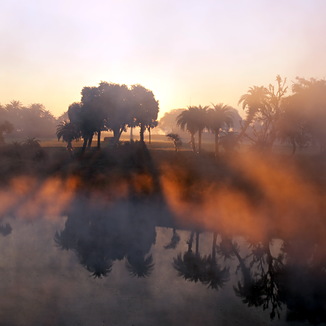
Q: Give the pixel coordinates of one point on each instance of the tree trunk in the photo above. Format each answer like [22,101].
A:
[214,246]
[149,136]
[131,135]
[216,142]
[116,135]
[199,141]
[191,239]
[84,145]
[197,243]
[99,139]
[90,139]
[193,145]
[141,133]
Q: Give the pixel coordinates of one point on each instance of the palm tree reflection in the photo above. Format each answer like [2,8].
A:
[102,234]
[193,267]
[215,277]
[139,265]
[294,278]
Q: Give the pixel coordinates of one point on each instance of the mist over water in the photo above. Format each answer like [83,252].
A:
[170,237]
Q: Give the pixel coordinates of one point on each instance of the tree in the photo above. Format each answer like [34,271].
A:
[186,120]
[5,128]
[202,122]
[68,132]
[219,118]
[252,102]
[176,140]
[93,112]
[168,123]
[31,121]
[118,107]
[292,126]
[263,110]
[146,108]
[194,119]
[308,105]
[79,117]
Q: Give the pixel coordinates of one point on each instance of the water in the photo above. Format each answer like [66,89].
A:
[89,277]
[119,238]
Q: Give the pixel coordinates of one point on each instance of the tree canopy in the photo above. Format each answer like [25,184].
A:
[113,107]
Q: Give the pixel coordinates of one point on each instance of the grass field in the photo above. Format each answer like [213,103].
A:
[162,143]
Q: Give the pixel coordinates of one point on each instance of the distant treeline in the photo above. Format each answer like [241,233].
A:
[21,122]
[271,117]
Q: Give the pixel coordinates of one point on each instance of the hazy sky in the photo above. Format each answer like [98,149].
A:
[187,52]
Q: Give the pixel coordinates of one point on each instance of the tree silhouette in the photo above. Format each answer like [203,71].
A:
[263,111]
[219,118]
[186,120]
[79,117]
[176,140]
[93,112]
[68,132]
[309,100]
[25,118]
[146,108]
[113,107]
[117,103]
[292,127]
[255,100]
[202,122]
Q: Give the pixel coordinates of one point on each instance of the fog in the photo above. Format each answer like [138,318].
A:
[227,228]
[137,236]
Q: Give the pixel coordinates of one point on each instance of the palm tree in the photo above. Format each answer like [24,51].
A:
[68,132]
[176,140]
[219,117]
[202,122]
[194,119]
[255,100]
[186,120]
[79,117]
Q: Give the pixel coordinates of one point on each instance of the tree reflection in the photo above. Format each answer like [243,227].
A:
[190,265]
[214,276]
[272,277]
[105,233]
[175,239]
[293,278]
[259,286]
[193,267]
[140,266]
